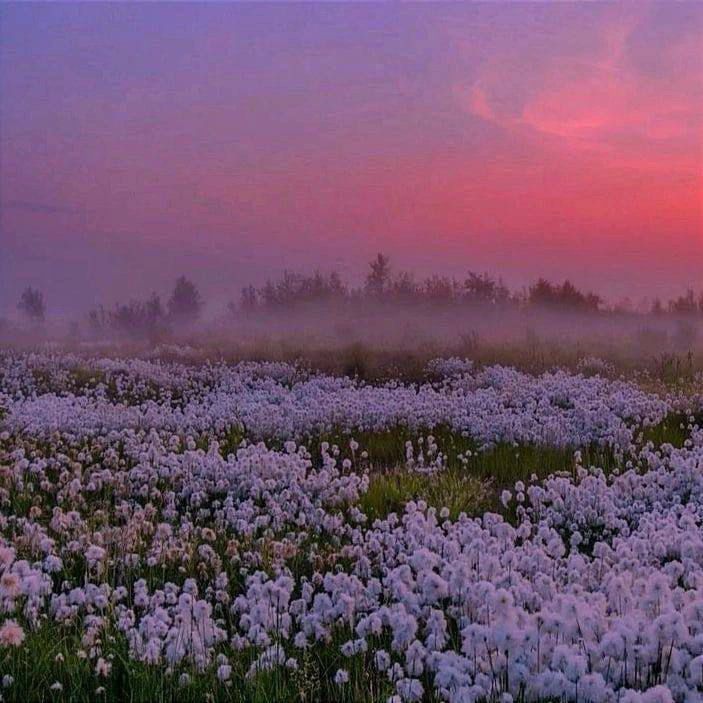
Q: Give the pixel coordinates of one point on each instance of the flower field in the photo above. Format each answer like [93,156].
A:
[180,531]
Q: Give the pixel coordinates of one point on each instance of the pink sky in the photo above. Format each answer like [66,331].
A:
[232,141]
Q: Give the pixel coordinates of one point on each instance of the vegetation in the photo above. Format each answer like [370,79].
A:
[122,486]
[31,305]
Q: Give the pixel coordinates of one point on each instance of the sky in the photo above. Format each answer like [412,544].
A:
[233,141]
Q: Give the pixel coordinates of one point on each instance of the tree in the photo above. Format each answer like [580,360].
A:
[440,289]
[403,287]
[295,288]
[137,319]
[31,305]
[98,321]
[249,299]
[481,288]
[379,276]
[565,296]
[543,293]
[685,304]
[154,312]
[185,303]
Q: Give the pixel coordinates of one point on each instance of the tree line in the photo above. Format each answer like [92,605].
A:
[382,284]
[137,318]
[143,318]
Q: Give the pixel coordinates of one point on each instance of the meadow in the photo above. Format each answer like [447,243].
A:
[176,526]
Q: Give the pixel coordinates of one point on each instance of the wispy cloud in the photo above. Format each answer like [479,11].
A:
[602,101]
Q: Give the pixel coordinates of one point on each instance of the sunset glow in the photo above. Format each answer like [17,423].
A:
[520,139]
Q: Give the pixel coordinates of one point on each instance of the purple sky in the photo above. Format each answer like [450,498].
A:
[231,141]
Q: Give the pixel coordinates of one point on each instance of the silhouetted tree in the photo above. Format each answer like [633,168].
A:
[481,288]
[440,289]
[542,293]
[249,298]
[295,288]
[127,319]
[98,321]
[185,303]
[565,295]
[31,305]
[685,304]
[593,301]
[136,319]
[154,312]
[403,287]
[319,287]
[379,276]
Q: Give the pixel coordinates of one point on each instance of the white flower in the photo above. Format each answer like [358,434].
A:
[409,689]
[11,634]
[224,671]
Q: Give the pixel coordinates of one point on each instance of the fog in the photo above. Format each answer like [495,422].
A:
[245,139]
[363,339]
[487,333]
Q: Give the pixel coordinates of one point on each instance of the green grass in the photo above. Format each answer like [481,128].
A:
[389,492]
[674,430]
[472,480]
[474,485]
[55,659]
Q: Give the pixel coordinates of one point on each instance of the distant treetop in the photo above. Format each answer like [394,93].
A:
[31,305]
[185,303]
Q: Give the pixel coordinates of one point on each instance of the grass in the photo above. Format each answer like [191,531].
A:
[389,492]
[471,481]
[674,430]
[404,351]
[473,485]
[55,660]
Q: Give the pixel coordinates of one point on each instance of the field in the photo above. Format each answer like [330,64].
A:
[174,528]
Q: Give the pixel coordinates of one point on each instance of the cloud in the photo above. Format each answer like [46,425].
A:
[600,99]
